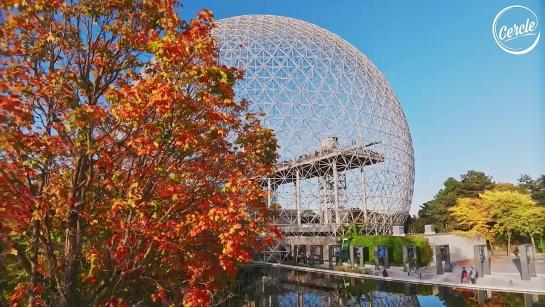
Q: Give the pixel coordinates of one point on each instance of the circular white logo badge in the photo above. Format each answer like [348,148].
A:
[516,29]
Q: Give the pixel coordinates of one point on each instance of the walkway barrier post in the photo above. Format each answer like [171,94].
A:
[377,261]
[527,261]
[386,258]
[300,253]
[381,253]
[482,260]
[410,258]
[442,253]
[334,255]
[362,261]
[356,256]
[351,250]
[438,260]
[316,254]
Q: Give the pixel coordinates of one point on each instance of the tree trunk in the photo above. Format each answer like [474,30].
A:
[73,232]
[508,243]
[34,261]
[490,246]
[533,245]
[71,255]
[541,243]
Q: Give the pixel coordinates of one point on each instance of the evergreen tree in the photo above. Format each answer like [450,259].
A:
[536,187]
[436,211]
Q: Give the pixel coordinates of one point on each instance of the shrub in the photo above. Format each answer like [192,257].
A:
[395,248]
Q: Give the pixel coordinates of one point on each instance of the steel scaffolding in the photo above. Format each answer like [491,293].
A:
[345,146]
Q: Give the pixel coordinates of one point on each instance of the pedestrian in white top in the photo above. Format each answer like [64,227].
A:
[473,275]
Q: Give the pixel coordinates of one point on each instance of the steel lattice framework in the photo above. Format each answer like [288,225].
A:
[345,147]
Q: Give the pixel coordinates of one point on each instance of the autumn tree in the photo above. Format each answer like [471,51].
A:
[475,217]
[530,221]
[128,171]
[504,210]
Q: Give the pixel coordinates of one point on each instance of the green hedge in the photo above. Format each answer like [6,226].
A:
[395,251]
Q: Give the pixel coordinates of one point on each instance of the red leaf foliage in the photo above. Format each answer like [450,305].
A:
[128,170]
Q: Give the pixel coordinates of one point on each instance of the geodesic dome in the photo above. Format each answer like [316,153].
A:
[346,155]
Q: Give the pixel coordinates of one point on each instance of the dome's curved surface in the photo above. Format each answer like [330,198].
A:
[311,85]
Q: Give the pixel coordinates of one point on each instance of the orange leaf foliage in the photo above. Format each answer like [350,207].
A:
[128,170]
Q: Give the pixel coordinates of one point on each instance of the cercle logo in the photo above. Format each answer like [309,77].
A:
[516,29]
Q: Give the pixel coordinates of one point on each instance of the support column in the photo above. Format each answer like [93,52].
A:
[351,249]
[298,197]
[377,260]
[364,190]
[325,200]
[336,192]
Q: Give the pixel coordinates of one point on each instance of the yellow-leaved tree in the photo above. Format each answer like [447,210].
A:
[502,211]
[473,216]
[529,221]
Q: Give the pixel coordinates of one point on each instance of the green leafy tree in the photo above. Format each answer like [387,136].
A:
[503,186]
[505,204]
[530,221]
[536,187]
[415,224]
[436,211]
[506,226]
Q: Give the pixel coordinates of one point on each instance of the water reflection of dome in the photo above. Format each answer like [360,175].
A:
[297,288]
[314,86]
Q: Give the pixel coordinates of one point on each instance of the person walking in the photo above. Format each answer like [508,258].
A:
[463,277]
[473,275]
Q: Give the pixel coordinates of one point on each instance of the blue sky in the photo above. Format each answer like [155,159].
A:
[469,104]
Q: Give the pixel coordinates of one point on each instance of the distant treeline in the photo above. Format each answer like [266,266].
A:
[477,206]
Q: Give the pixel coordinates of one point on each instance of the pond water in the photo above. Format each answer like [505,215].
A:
[282,287]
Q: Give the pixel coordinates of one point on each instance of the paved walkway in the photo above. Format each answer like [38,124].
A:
[511,264]
[505,280]
[498,280]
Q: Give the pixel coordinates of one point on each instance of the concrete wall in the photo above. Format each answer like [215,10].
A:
[461,248]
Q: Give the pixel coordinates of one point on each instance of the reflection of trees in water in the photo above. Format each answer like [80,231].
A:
[454,297]
[277,287]
[379,293]
[466,297]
